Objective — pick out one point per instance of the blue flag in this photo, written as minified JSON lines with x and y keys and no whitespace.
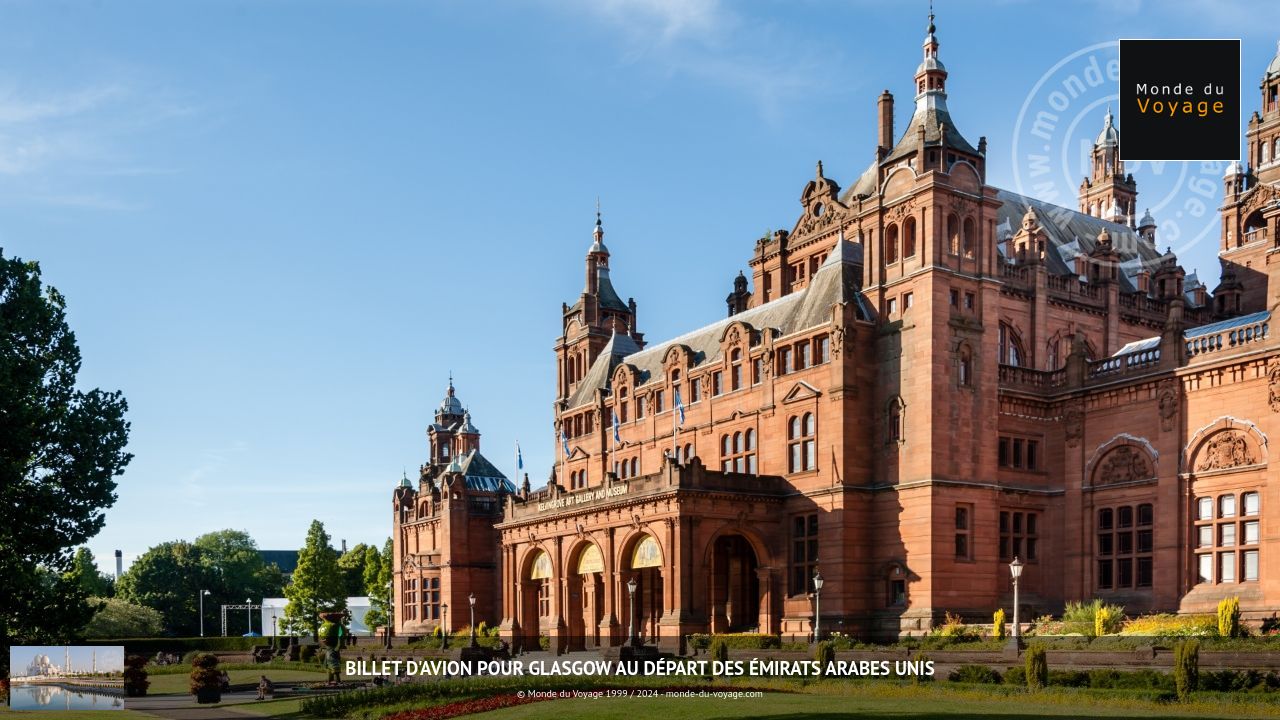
{"x":680,"y":408}
{"x":519,"y":458}
{"x":616,"y":428}
{"x":564,"y":438}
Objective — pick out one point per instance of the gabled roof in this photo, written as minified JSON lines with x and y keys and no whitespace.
{"x":932,"y":118}
{"x":478,"y":473}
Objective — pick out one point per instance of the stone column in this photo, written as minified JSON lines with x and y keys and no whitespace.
{"x":768,"y":624}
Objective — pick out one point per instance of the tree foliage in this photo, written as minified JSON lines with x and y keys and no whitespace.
{"x":377,"y":584}
{"x":60,"y":451}
{"x":171,"y":577}
{"x":317,"y":583}
{"x":122,"y":619}
{"x":84,"y":572}
{"x":351,"y":563}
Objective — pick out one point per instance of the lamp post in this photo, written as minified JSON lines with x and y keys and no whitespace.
{"x":444,"y":621}
{"x":391,"y":614}
{"x":817,"y":605}
{"x":471,"y":598}
{"x":1015,"y":572}
{"x":273,"y":627}
{"x":248,"y":612}
{"x":201,"y":595}
{"x":631,"y":625}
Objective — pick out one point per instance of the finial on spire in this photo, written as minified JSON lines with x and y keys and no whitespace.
{"x":598,"y":233}
{"x":932,"y":29}
{"x":819,"y":168}
{"x":450,"y":391}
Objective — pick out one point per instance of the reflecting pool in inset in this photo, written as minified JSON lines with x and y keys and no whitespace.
{"x":57,"y":697}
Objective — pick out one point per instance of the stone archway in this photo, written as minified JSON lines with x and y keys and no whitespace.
{"x":537,"y":585}
{"x":734,"y":589}
{"x":642,"y":561}
{"x":586,"y":596}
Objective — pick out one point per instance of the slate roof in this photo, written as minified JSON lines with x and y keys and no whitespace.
{"x":608,"y":296}
{"x":838,"y":280}
{"x":1071,"y":232}
{"x":477,"y":472}
{"x":932,"y":118}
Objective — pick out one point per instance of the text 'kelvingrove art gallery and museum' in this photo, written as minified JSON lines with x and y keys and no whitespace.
{"x":928,"y":377}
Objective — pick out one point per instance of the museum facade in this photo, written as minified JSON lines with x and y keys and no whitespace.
{"x":925,"y":378}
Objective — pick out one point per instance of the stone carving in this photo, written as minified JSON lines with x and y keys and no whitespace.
{"x":1124,"y":464}
{"x":1074,"y":418}
{"x":1273,"y":385}
{"x":734,"y":335}
{"x":1168,"y":405}
{"x":1227,"y":449}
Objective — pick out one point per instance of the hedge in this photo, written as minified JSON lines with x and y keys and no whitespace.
{"x":182,"y":646}
{"x":738,"y":641}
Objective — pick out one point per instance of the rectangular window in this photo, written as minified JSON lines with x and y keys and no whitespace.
{"x":804,"y":553}
{"x":1250,"y":533}
{"x":824,"y":349}
{"x":1105,"y":544}
{"x":1251,"y":504}
{"x":1124,"y":572}
{"x":955,"y":298}
{"x":1033,"y":451}
{"x":1144,"y":541}
{"x":1004,"y":452}
{"x":968,"y":301}
{"x":1227,"y":506}
{"x":1204,"y":536}
{"x":659,"y":401}
{"x":1105,"y":579}
{"x":695,"y":390}
{"x":1250,"y":565}
{"x":1017,"y":452}
{"x":893,"y":306}
{"x":908,"y":300}
{"x":640,"y":403}
{"x":1227,"y":535}
{"x":1205,"y":566}
{"x":804,"y":356}
{"x":1144,"y":572}
{"x":1226,"y":567}
{"x":963,"y":520}
{"x":784,"y":361}
{"x":1205,"y":511}
{"x":717,"y":382}
{"x":757,"y":371}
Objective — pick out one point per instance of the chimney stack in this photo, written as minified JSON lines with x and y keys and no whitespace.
{"x":119,"y":565}
{"x":344,"y":545}
{"x":885,"y":125}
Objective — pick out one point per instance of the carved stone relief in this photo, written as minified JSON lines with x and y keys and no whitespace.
{"x":1124,"y":464}
{"x":1227,"y":449}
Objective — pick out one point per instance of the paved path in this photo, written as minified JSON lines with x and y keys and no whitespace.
{"x":184,"y":707}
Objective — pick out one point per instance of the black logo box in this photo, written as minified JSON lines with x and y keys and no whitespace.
{"x":1158,"y":78}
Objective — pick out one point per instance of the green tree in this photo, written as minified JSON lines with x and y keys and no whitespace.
{"x":169,"y":578}
{"x":84,"y":572}
{"x":122,"y":619}
{"x":351,"y":563}
{"x":377,"y":584}
{"x":233,"y":570}
{"x":60,"y":451}
{"x":317,"y":584}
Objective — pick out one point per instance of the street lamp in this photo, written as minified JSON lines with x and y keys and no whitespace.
{"x":248,"y":612}
{"x":631,"y":626}
{"x":391,"y":614}
{"x":817,"y":605}
{"x":201,"y":596}
{"x":472,"y":599}
{"x":444,"y":621}
{"x":1015,"y":572}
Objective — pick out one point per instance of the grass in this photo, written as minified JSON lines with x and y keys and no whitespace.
{"x":179,"y":684}
{"x":892,"y":702}
{"x":72,"y":714}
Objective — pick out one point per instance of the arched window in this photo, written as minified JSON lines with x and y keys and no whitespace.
{"x":953,"y":234}
{"x":969,"y":239}
{"x":1052,"y":354}
{"x":635,"y":467}
{"x":964,"y":369}
{"x":801,"y":445}
{"x":735,"y":369}
{"x":895,"y":431}
{"x":1266,"y":153}
{"x":688,"y":452}
{"x":675,"y":388}
{"x":909,"y":238}
{"x":1011,"y":352}
{"x":622,"y":405}
{"x":891,"y":245}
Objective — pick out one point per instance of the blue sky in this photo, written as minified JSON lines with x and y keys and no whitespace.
{"x":109,"y":657}
{"x":279,"y":225}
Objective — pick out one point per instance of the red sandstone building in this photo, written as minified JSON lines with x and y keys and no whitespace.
{"x":929,"y":377}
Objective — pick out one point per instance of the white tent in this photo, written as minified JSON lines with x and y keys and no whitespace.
{"x":274,"y":608}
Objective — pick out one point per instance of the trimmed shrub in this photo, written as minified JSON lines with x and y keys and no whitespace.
{"x":1102,"y":679}
{"x":1082,"y":618}
{"x":997,"y":624}
{"x":1015,"y":676}
{"x":824,"y":653}
{"x":921,"y":659}
{"x":1068,"y":678}
{"x":544,"y":642}
{"x":953,"y":628}
{"x":719,"y":649}
{"x":1186,"y":667}
{"x":1229,"y":617}
{"x":1037,"y":667}
{"x":975,"y":674}
{"x":205,"y":677}
{"x":307,"y":654}
{"x":135,"y":676}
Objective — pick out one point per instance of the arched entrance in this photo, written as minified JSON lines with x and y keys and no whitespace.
{"x":734,"y":585}
{"x":535,"y":598}
{"x":586,"y":598}
{"x":643,"y":563}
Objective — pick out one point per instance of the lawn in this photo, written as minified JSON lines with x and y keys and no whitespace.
{"x":176,"y":683}
{"x":72,"y":714}
{"x":784,"y":706}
